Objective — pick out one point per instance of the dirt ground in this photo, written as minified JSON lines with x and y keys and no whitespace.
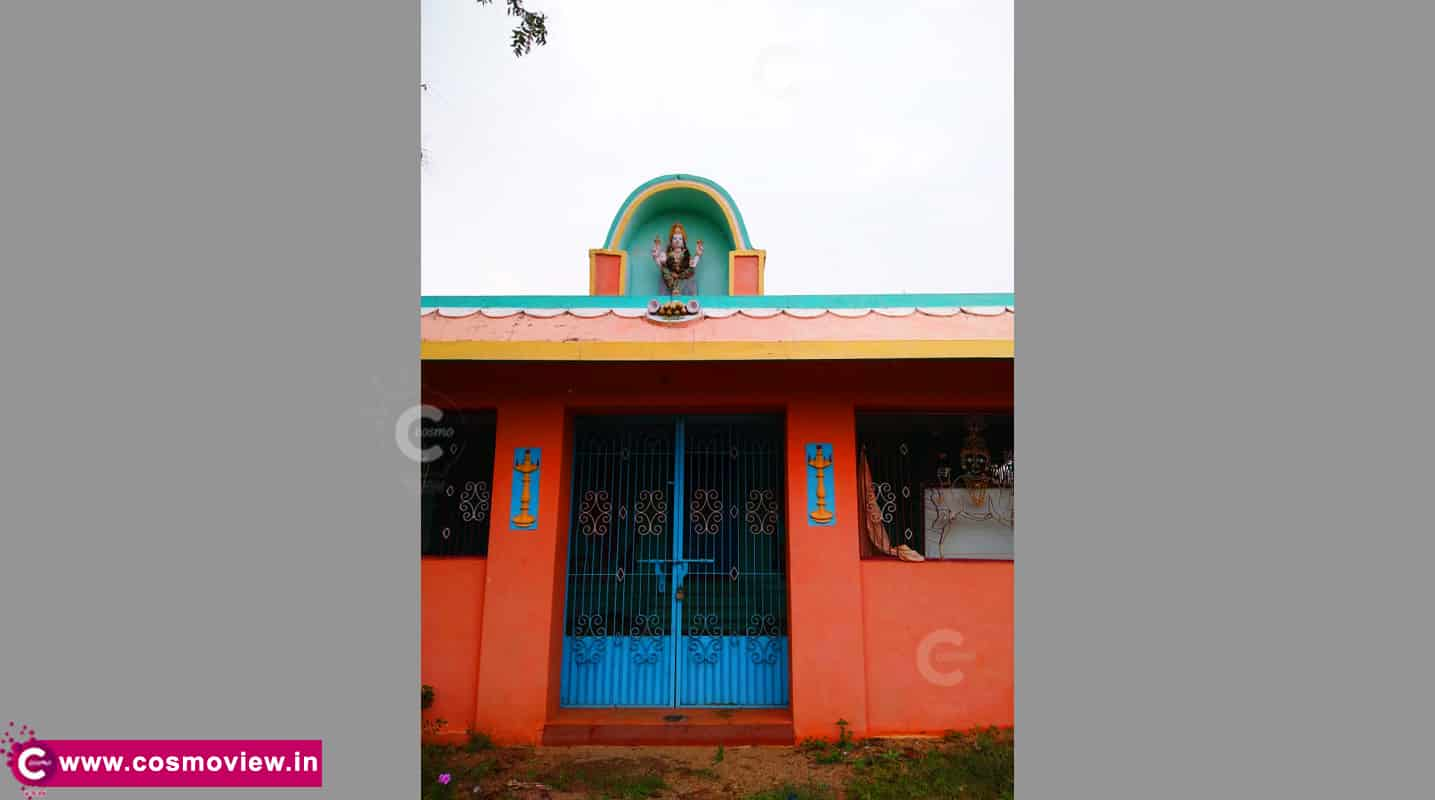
{"x":686,"y":772}
{"x":689,"y":772}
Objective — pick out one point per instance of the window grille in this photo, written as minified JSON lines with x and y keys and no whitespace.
{"x":928,"y":498}
{"x":457,"y":486}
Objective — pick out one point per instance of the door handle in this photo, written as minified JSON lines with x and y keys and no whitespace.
{"x":680,"y":570}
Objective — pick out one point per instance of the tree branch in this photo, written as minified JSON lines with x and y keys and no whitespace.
{"x":532,"y":28}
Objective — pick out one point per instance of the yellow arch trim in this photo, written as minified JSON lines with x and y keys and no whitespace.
{"x":628,"y":212}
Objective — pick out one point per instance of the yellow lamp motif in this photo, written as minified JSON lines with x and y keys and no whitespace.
{"x":526,"y":464}
{"x":818,"y":480}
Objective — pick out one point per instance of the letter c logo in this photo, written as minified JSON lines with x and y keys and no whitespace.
{"x":405,"y":424}
{"x":926,"y":650}
{"x":22,"y":763}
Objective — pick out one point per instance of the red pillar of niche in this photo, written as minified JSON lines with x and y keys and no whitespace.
{"x":745,"y":271}
{"x":607,"y":272}
{"x":825,"y":578}
{"x":517,"y":670}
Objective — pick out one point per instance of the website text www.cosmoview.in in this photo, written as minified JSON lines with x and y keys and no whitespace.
{"x":160,"y":763}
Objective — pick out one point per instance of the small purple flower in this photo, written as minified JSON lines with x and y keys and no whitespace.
{"x":445,"y":778}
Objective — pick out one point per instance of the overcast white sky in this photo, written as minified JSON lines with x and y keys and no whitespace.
{"x":868,"y":144}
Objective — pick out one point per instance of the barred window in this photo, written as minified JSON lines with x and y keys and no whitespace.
{"x":936,"y":486}
{"x":457,"y":486}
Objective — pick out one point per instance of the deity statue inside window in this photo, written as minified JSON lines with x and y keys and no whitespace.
{"x":678,"y":265}
{"x":944,"y":469}
{"x":976,"y":463}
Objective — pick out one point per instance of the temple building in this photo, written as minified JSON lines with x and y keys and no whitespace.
{"x":680,"y":510}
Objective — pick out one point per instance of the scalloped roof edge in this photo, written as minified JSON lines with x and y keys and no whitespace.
{"x":716,"y":313}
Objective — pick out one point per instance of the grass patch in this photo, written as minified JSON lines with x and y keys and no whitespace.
{"x":807,"y":791}
{"x":973,"y":766}
{"x":436,"y":760}
{"x":878,"y":758}
{"x":615,"y":778}
{"x":824,"y":752}
{"x":811,"y":746}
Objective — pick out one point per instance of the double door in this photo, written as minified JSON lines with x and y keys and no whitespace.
{"x":676,"y":588}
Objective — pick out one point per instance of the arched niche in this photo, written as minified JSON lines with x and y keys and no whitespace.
{"x":705,"y":211}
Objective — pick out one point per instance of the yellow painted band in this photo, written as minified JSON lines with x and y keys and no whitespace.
{"x":617,"y":239}
{"x":714,"y":351}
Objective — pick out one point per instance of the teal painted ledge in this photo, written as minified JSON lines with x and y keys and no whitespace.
{"x":724,"y":301}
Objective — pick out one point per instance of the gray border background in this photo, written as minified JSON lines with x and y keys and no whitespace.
{"x":208,"y":316}
{"x":210,"y":328}
{"x":1222,"y":399}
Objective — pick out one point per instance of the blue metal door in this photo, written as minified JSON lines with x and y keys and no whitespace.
{"x":733,"y":610}
{"x":676,"y":585}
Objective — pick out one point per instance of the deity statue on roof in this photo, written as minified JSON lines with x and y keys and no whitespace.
{"x":678,"y":265}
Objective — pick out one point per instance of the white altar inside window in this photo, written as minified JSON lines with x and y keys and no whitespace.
{"x":963,"y":522}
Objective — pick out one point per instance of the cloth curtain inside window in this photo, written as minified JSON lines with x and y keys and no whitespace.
{"x":874,"y":532}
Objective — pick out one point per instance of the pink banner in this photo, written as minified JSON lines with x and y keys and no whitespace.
{"x":51,"y":763}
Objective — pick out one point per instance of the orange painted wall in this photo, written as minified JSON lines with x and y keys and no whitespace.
{"x":451,"y":612}
{"x":962,"y":677}
{"x":854,"y":627}
{"x":520,"y":634}
{"x":824,"y":578}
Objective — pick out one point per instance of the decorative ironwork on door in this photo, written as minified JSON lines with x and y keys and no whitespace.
{"x":676,"y":584}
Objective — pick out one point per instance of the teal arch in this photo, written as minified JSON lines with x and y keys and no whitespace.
{"x":706,"y":211}
{"x":738,"y":235}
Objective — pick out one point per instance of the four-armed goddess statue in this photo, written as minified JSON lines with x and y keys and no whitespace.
{"x":678,"y":265}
